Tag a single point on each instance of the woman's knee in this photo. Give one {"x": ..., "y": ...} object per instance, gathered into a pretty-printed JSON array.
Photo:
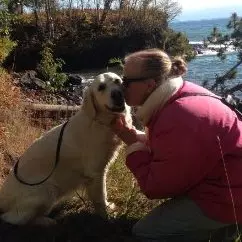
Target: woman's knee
[
  {"x": 143, "y": 230},
  {"x": 136, "y": 229}
]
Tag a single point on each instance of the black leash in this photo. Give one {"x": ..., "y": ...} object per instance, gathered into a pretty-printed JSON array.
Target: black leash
[
  {"x": 222, "y": 99},
  {"x": 57, "y": 159}
]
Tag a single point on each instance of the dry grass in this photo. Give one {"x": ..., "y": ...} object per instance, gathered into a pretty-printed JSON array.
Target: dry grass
[
  {"x": 16, "y": 133},
  {"x": 9, "y": 94},
  {"x": 124, "y": 192}
]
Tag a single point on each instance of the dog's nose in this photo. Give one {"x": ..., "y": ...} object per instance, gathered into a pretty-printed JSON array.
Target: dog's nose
[{"x": 117, "y": 97}]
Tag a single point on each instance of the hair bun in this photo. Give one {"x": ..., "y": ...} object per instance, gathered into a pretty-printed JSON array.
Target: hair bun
[{"x": 179, "y": 66}]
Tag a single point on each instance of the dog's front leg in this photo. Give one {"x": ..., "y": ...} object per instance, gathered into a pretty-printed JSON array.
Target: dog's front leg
[{"x": 97, "y": 193}]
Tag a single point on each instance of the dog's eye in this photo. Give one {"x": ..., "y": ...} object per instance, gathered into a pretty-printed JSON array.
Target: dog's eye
[
  {"x": 101, "y": 87},
  {"x": 117, "y": 81}
]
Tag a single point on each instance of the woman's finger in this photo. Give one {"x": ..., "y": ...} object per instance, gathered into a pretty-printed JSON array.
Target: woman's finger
[
  {"x": 123, "y": 120},
  {"x": 117, "y": 124}
]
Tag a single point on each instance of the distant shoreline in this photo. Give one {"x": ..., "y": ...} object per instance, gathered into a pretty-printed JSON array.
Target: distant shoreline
[{"x": 199, "y": 20}]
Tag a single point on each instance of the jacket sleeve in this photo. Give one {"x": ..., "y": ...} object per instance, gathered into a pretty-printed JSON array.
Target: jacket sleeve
[{"x": 177, "y": 162}]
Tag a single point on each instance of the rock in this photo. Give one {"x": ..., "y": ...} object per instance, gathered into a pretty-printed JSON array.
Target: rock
[
  {"x": 74, "y": 80},
  {"x": 25, "y": 79},
  {"x": 16, "y": 81},
  {"x": 30, "y": 80},
  {"x": 39, "y": 83},
  {"x": 32, "y": 74},
  {"x": 29, "y": 100},
  {"x": 16, "y": 75},
  {"x": 35, "y": 90}
]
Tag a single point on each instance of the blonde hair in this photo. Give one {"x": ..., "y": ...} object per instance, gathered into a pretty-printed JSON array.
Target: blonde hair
[{"x": 156, "y": 63}]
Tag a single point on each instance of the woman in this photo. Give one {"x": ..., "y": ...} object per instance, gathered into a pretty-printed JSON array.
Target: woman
[{"x": 193, "y": 152}]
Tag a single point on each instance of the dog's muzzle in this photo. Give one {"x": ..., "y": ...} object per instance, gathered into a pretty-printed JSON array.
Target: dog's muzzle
[
  {"x": 118, "y": 102},
  {"x": 117, "y": 98}
]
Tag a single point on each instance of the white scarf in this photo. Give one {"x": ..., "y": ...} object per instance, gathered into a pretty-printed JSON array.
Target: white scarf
[
  {"x": 158, "y": 98},
  {"x": 154, "y": 102}
]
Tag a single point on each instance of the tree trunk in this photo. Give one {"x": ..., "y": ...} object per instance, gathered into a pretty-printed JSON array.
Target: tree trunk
[
  {"x": 51, "y": 111},
  {"x": 36, "y": 13},
  {"x": 107, "y": 6},
  {"x": 49, "y": 22}
]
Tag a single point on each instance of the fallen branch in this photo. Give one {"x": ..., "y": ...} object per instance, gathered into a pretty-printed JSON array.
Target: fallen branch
[{"x": 51, "y": 111}]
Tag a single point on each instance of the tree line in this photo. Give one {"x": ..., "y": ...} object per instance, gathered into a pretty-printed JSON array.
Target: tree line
[{"x": 88, "y": 33}]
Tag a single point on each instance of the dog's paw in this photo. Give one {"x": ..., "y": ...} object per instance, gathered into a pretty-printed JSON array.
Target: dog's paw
[
  {"x": 112, "y": 209},
  {"x": 111, "y": 206},
  {"x": 105, "y": 210}
]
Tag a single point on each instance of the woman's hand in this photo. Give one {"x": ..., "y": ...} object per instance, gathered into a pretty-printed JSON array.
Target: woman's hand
[{"x": 121, "y": 129}]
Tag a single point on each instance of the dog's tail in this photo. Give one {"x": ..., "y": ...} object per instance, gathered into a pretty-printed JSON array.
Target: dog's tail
[{"x": 9, "y": 161}]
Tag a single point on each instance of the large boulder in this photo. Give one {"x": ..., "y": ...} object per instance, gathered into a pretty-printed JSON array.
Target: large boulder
[
  {"x": 30, "y": 80},
  {"x": 74, "y": 80}
]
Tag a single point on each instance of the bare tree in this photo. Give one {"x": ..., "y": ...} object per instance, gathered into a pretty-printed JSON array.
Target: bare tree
[
  {"x": 15, "y": 6},
  {"x": 97, "y": 3},
  {"x": 50, "y": 6},
  {"x": 70, "y": 7},
  {"x": 35, "y": 6},
  {"x": 36, "y": 11},
  {"x": 170, "y": 7},
  {"x": 123, "y": 4},
  {"x": 82, "y": 4},
  {"x": 106, "y": 9}
]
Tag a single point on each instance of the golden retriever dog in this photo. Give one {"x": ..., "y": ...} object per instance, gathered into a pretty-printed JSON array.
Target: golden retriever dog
[{"x": 86, "y": 146}]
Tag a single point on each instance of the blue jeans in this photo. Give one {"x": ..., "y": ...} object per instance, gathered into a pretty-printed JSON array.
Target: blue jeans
[{"x": 177, "y": 220}]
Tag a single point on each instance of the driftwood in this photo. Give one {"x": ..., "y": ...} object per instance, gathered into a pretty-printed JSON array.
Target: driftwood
[
  {"x": 39, "y": 111},
  {"x": 51, "y": 111}
]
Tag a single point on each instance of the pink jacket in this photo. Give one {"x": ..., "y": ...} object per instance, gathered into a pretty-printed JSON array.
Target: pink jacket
[{"x": 193, "y": 142}]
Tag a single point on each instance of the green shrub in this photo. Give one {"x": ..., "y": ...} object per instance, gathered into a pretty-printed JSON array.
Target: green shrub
[
  {"x": 5, "y": 21},
  {"x": 6, "y": 46},
  {"x": 114, "y": 60},
  {"x": 50, "y": 69}
]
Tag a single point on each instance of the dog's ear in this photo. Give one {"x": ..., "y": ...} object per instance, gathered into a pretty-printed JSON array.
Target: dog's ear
[{"x": 88, "y": 103}]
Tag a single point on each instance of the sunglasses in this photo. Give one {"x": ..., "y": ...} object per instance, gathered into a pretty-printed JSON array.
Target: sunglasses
[{"x": 127, "y": 81}]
